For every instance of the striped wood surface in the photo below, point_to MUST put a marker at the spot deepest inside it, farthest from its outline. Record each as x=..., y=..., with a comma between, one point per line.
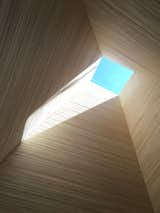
x=86, y=164
x=43, y=45
x=141, y=104
x=129, y=31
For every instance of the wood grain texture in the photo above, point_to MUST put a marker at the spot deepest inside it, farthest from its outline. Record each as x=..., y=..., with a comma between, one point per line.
x=43, y=45
x=86, y=164
x=80, y=96
x=141, y=104
x=128, y=31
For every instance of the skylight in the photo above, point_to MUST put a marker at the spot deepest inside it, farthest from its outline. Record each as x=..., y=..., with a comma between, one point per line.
x=99, y=83
x=111, y=76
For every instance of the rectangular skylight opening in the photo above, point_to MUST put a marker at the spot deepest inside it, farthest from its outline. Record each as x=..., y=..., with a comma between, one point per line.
x=100, y=82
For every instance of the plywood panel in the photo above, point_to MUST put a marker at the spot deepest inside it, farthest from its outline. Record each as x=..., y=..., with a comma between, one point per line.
x=128, y=31
x=141, y=103
x=43, y=45
x=80, y=96
x=86, y=164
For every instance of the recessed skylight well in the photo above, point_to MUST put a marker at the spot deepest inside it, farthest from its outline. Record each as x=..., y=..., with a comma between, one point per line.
x=99, y=83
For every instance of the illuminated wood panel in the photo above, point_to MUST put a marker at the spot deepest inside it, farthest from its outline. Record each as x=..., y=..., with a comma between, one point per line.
x=86, y=164
x=128, y=30
x=43, y=45
x=141, y=103
x=80, y=95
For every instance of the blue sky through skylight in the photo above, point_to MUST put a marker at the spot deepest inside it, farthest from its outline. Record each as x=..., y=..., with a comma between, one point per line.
x=111, y=76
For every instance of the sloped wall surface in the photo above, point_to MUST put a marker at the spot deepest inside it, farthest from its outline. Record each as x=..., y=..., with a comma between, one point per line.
x=86, y=164
x=128, y=32
x=43, y=45
x=141, y=104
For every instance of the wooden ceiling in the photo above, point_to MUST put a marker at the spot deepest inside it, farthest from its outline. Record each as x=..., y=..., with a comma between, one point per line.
x=43, y=45
x=141, y=104
x=129, y=32
x=86, y=164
